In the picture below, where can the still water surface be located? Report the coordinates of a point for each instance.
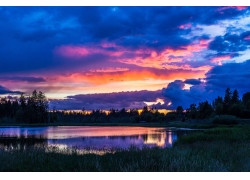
(93, 137)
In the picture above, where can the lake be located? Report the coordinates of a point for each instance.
(94, 138)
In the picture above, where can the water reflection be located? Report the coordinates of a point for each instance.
(88, 137)
(22, 142)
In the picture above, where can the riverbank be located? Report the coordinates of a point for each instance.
(216, 149)
(177, 124)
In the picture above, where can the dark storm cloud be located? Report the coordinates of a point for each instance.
(178, 96)
(192, 81)
(29, 35)
(4, 90)
(232, 75)
(230, 42)
(133, 99)
(184, 97)
(27, 79)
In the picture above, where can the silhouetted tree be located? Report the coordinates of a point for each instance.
(145, 109)
(218, 100)
(235, 97)
(246, 100)
(227, 100)
(192, 111)
(235, 109)
(204, 110)
(179, 111)
(43, 106)
(22, 100)
(219, 109)
(34, 110)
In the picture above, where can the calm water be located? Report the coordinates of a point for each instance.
(91, 137)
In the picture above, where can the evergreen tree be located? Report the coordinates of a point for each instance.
(219, 109)
(192, 111)
(204, 110)
(227, 100)
(217, 101)
(22, 100)
(35, 110)
(42, 107)
(246, 98)
(235, 97)
(179, 110)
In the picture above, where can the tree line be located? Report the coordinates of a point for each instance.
(111, 116)
(231, 104)
(34, 109)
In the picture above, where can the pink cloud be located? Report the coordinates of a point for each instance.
(185, 26)
(109, 70)
(241, 7)
(231, 7)
(165, 58)
(144, 57)
(78, 51)
(220, 59)
(72, 51)
(247, 38)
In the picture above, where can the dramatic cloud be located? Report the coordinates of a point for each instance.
(230, 42)
(192, 81)
(4, 90)
(65, 51)
(128, 100)
(232, 75)
(27, 79)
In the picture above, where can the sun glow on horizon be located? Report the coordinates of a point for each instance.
(158, 100)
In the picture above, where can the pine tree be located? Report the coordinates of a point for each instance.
(227, 100)
(235, 97)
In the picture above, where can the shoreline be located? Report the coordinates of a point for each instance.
(176, 124)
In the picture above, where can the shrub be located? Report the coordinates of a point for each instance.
(171, 116)
(225, 120)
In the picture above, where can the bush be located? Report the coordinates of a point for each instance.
(225, 120)
(171, 116)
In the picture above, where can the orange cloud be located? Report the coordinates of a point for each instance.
(108, 80)
(143, 75)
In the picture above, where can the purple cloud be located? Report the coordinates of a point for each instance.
(128, 100)
(4, 90)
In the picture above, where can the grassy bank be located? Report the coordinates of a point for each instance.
(217, 149)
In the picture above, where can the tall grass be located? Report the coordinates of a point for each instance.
(219, 149)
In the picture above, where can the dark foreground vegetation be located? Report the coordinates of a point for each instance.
(34, 110)
(218, 149)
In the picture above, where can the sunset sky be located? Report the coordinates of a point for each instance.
(114, 57)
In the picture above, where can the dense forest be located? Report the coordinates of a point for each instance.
(34, 109)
